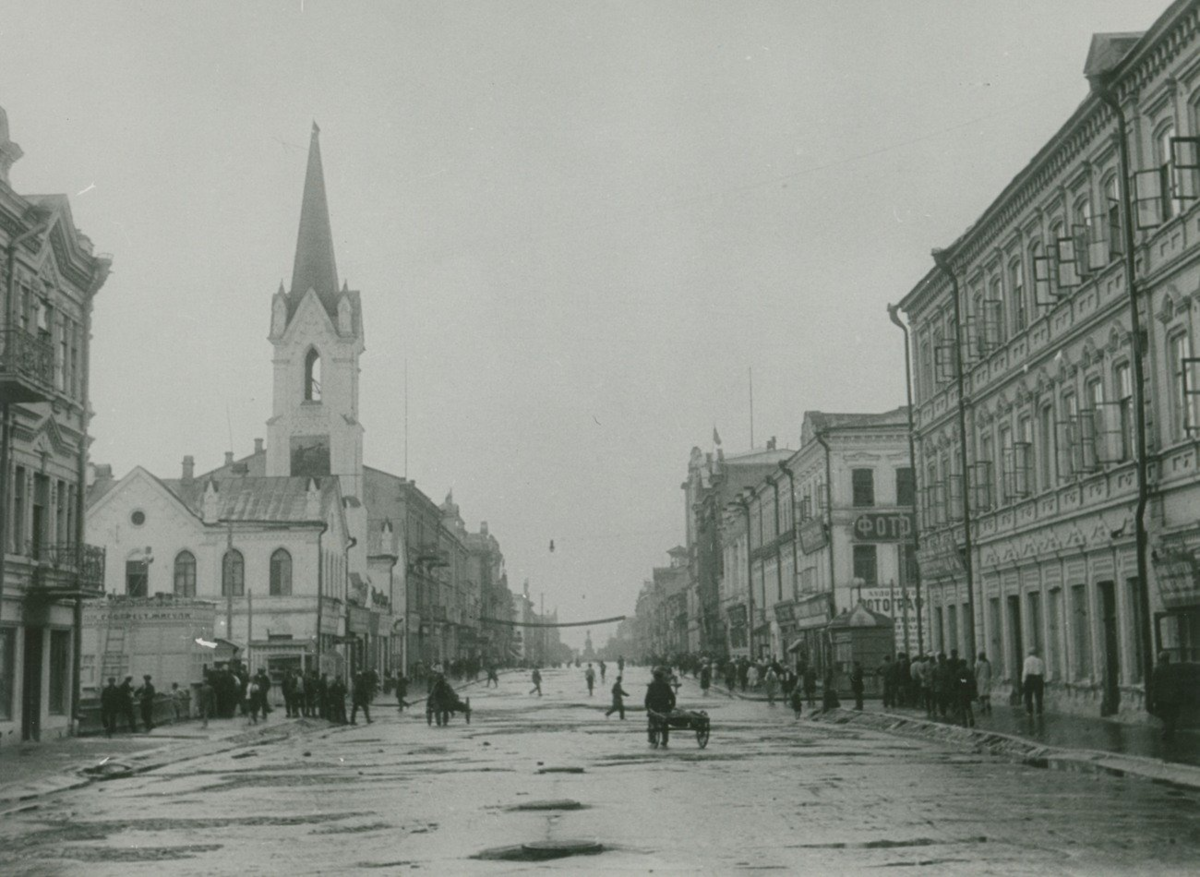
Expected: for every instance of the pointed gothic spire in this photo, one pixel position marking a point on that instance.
(314, 267)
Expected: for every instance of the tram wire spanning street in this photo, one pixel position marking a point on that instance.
(531, 775)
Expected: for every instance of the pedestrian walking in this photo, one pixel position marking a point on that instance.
(262, 684)
(857, 685)
(886, 675)
(829, 697)
(618, 700)
(983, 684)
(360, 695)
(810, 685)
(337, 698)
(250, 704)
(603, 670)
(620, 665)
(771, 684)
(145, 695)
(1168, 691)
(965, 692)
(590, 676)
(1033, 682)
(110, 700)
(796, 700)
(537, 682)
(401, 690)
(705, 679)
(208, 699)
(660, 700)
(493, 678)
(179, 700)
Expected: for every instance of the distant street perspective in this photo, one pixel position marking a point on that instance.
(533, 777)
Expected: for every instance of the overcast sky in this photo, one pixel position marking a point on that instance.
(579, 223)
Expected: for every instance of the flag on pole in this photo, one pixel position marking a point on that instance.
(716, 436)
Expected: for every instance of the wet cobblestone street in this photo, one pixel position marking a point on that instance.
(769, 792)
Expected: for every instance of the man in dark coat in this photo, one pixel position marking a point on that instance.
(360, 695)
(125, 703)
(1167, 689)
(618, 700)
(110, 700)
(263, 684)
(660, 699)
(145, 696)
(857, 685)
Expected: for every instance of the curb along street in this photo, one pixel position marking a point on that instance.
(1016, 748)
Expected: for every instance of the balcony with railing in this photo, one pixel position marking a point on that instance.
(26, 367)
(63, 570)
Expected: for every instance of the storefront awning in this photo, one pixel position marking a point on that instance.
(797, 645)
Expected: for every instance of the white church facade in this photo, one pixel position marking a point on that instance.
(285, 528)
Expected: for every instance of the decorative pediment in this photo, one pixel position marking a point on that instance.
(47, 438)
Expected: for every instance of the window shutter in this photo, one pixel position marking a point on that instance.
(1148, 198)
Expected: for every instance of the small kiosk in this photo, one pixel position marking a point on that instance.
(862, 635)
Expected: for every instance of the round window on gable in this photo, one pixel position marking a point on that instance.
(138, 518)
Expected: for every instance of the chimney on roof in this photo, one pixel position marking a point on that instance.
(258, 446)
(483, 528)
(189, 469)
(229, 458)
(103, 471)
(771, 443)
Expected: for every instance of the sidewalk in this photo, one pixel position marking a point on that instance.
(1058, 740)
(28, 771)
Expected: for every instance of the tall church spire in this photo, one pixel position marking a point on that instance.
(314, 267)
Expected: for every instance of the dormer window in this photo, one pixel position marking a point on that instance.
(312, 376)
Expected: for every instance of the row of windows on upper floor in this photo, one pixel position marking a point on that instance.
(1061, 438)
(37, 316)
(815, 502)
(1077, 248)
(233, 575)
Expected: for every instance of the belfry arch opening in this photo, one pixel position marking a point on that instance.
(312, 376)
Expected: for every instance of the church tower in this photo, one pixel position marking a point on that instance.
(317, 333)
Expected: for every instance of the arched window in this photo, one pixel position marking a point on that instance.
(1112, 209)
(1171, 205)
(185, 574)
(312, 376)
(1016, 290)
(281, 573)
(233, 574)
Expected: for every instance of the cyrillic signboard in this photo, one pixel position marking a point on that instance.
(884, 527)
(813, 536)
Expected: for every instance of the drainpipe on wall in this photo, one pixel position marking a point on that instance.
(98, 279)
(894, 314)
(1100, 88)
(942, 259)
